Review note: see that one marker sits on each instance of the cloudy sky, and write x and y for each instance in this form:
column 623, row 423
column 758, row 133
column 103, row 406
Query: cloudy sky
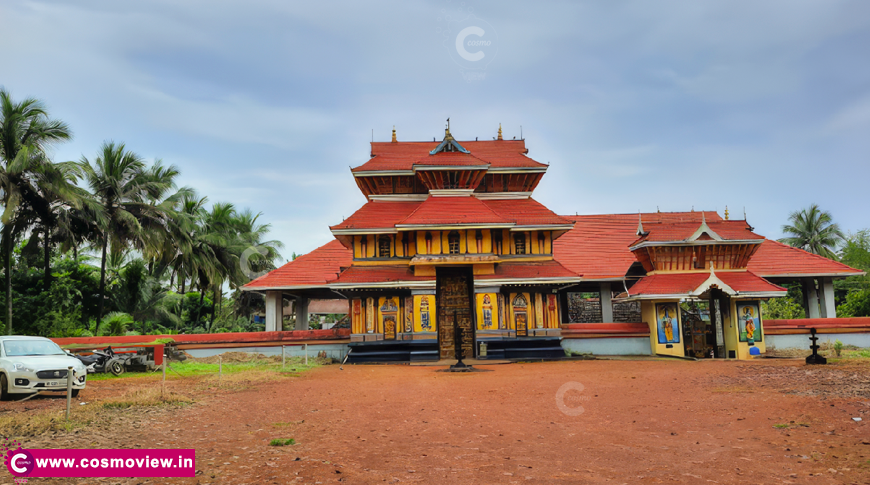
column 637, row 105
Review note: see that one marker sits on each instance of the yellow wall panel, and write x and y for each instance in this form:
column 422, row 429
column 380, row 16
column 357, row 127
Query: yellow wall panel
column 424, row 313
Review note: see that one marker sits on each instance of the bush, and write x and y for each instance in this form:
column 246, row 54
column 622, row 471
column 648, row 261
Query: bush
column 838, row 347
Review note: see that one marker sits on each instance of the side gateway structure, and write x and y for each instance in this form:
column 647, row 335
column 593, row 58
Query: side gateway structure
column 451, row 237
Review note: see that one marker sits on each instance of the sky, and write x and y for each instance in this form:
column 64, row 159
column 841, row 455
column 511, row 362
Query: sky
column 636, row 105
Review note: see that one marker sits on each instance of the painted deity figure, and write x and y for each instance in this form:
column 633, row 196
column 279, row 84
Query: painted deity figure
column 520, row 305
column 487, row 312
column 668, row 326
column 750, row 323
column 409, row 314
column 425, row 323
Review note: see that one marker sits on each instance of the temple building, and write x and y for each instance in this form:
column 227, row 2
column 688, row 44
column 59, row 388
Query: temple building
column 451, row 238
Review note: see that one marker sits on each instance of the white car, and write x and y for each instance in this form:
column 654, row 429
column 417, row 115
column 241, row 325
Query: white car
column 33, row 364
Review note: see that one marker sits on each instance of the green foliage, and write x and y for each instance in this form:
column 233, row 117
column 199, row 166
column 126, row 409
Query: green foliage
column 784, row 308
column 116, row 323
column 280, row 442
column 838, row 347
column 857, row 304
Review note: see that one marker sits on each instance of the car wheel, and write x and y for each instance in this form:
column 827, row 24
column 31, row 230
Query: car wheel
column 116, row 367
column 75, row 392
column 4, row 388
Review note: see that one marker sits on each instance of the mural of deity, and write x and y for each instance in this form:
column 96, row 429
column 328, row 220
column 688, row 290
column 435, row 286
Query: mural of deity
column 425, row 322
column 668, row 326
column 487, row 312
column 749, row 322
column 501, row 321
column 539, row 311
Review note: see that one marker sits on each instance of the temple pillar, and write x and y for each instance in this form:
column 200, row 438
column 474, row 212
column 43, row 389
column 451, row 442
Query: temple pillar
column 826, row 298
column 301, row 313
column 274, row 311
column 811, row 298
column 606, row 303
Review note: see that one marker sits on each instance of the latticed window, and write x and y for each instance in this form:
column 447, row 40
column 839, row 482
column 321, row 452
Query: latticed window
column 520, row 244
column 384, row 247
column 453, row 242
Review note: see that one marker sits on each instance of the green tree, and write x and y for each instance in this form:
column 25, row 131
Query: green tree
column 25, row 132
column 125, row 187
column 813, row 230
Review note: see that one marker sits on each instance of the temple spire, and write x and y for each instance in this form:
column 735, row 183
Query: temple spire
column 499, row 132
column 640, row 231
column 726, row 212
column 394, row 134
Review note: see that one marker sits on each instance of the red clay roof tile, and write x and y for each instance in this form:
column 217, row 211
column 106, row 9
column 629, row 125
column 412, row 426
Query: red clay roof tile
column 316, row 268
column 378, row 214
column 686, row 283
column 777, row 259
column 454, row 210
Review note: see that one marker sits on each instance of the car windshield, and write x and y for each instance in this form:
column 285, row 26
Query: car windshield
column 17, row 348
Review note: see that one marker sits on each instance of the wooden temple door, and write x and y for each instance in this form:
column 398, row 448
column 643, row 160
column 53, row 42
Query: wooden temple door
column 454, row 292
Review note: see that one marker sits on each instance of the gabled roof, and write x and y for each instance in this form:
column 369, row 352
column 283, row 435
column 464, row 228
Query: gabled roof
column 679, row 285
column 597, row 247
column 378, row 215
column 694, row 231
column 403, row 155
column 452, row 159
column 775, row 259
column 453, row 211
column 314, row 269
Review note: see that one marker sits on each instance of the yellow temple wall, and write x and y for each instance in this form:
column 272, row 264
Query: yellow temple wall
column 648, row 312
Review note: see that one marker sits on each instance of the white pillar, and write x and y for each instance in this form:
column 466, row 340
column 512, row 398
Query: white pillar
column 274, row 311
column 826, row 299
column 606, row 304
column 301, row 313
column 812, row 298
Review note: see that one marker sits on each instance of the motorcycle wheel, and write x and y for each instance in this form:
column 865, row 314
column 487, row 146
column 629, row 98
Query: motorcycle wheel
column 116, row 367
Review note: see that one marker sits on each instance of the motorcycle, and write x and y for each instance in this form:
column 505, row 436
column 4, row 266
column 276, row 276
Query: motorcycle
column 103, row 361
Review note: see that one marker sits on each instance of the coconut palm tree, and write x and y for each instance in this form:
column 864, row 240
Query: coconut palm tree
column 125, row 188
column 813, row 230
column 25, row 132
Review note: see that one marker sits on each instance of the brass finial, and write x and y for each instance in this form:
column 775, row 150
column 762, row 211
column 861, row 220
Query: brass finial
column 447, row 134
column 726, row 212
column 499, row 132
column 394, row 134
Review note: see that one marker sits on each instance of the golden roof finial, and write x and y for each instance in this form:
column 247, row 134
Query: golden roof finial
column 447, row 134
column 499, row 132
column 726, row 212
column 394, row 134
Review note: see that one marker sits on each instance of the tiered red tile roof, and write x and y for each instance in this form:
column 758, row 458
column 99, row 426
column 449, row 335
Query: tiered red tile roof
column 526, row 212
column 597, row 248
column 404, row 155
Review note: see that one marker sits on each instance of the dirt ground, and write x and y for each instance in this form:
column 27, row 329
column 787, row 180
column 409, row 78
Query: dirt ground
column 614, row 421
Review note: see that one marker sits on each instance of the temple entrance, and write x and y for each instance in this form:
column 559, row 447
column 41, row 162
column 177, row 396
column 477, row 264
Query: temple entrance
column 454, row 291
column 698, row 333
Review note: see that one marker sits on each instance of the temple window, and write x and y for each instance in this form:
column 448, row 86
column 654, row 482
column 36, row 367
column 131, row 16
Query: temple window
column 384, row 247
column 542, row 240
column 496, row 242
column 520, row 244
column 453, row 242
column 478, row 238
